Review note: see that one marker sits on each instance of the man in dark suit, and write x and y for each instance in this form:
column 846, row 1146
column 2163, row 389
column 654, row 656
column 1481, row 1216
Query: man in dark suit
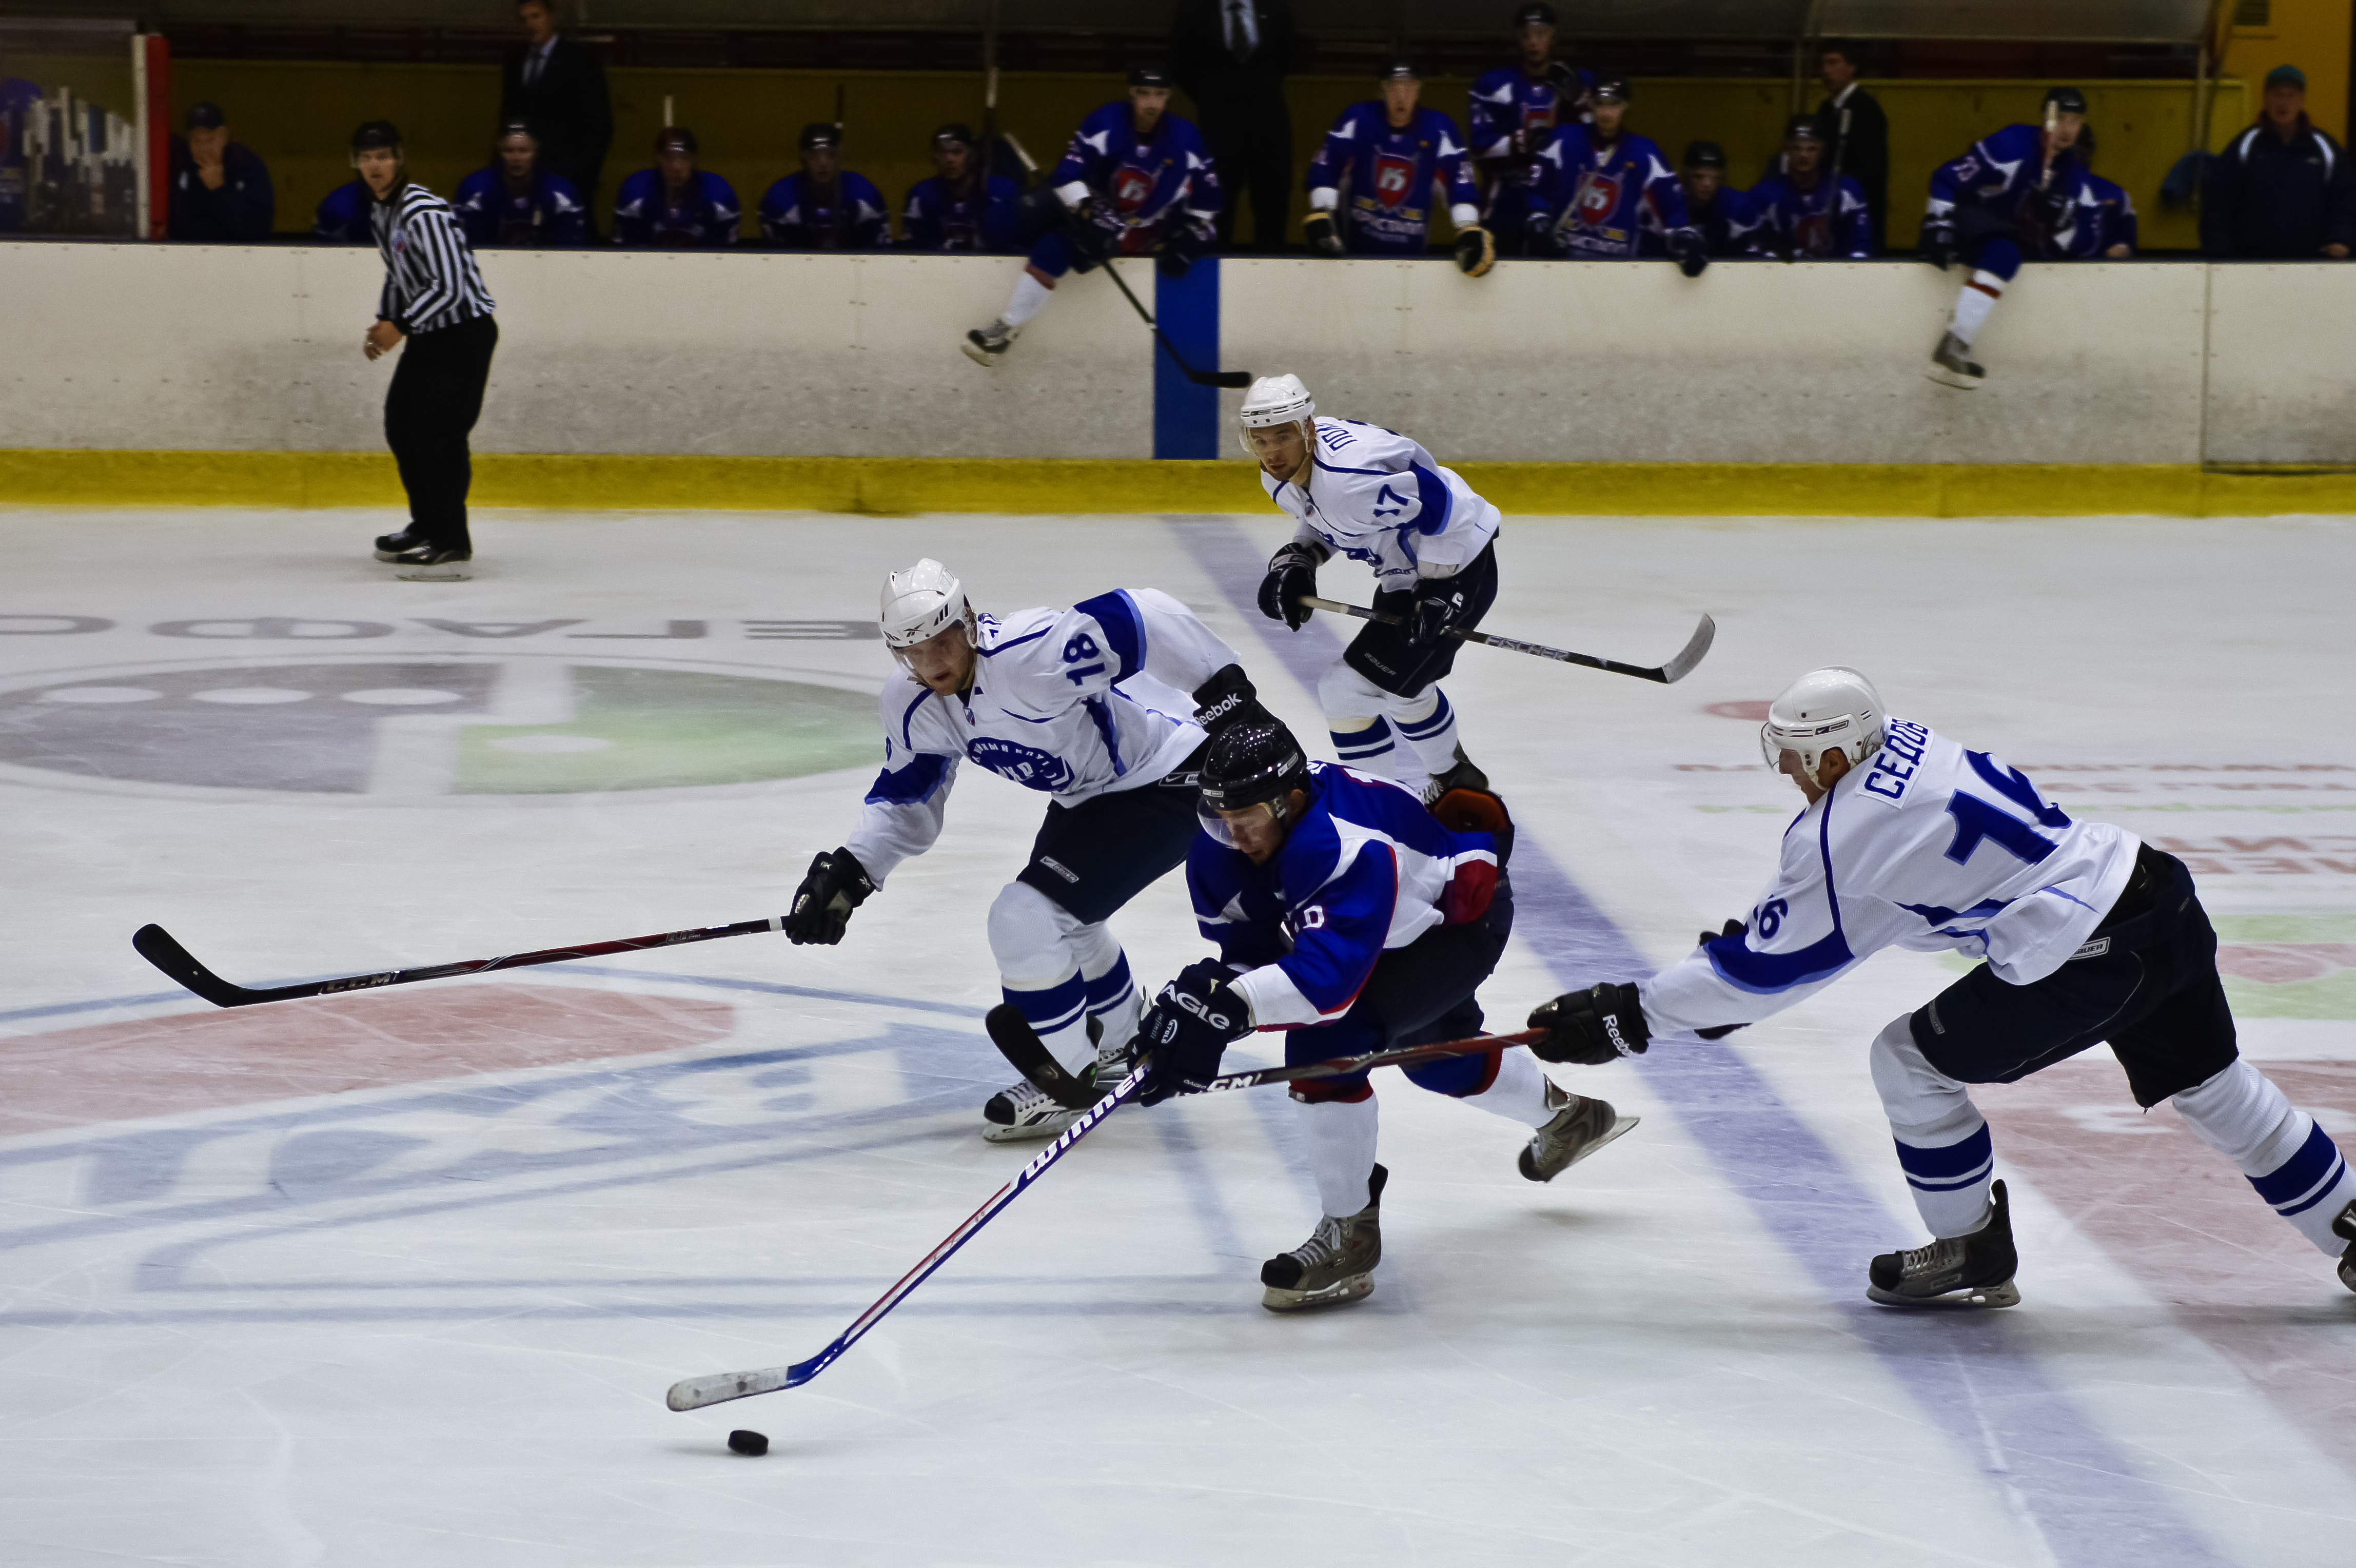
column 1231, row 57
column 1860, row 133
column 558, row 87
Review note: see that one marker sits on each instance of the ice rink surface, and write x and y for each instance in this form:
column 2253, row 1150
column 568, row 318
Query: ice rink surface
column 400, row 1278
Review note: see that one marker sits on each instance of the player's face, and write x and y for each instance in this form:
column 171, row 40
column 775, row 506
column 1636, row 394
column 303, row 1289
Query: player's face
column 1839, row 69
column 1257, row 830
column 820, row 163
column 2066, row 128
column 951, row 160
column 943, row 661
column 2285, row 104
column 1830, row 766
column 1702, row 184
column 677, row 165
column 1146, row 104
column 1608, row 116
column 1805, row 156
column 207, row 144
column 1282, row 449
column 1536, row 42
column 1399, row 95
column 538, row 22
column 379, row 167
column 517, row 155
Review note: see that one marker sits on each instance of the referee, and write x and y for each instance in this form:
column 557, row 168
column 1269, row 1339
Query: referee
column 434, row 295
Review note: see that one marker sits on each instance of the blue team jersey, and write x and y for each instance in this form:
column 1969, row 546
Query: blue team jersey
column 705, row 220
column 1779, row 219
column 1602, row 201
column 550, row 213
column 1720, row 220
column 1507, row 119
column 798, row 215
column 2104, row 216
column 1999, row 175
column 343, row 216
column 1145, row 182
column 1366, row 869
column 1387, row 175
column 939, row 218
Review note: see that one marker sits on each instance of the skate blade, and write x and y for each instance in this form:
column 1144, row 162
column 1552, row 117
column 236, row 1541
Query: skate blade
column 1619, row 1129
column 436, row 574
column 1955, row 378
column 2005, row 1294
column 999, row 1132
column 1341, row 1293
column 981, row 356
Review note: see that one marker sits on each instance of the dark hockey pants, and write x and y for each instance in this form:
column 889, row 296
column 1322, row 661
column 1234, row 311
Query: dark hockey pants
column 435, row 398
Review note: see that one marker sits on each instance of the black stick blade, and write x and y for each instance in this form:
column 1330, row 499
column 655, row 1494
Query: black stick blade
column 154, row 944
column 1220, row 377
column 1020, row 1044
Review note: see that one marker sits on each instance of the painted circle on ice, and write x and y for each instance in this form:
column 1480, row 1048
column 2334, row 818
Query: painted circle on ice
column 417, row 729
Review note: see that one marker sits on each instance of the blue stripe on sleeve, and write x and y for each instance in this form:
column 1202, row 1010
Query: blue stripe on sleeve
column 907, row 786
column 1438, row 501
column 1123, row 627
column 1765, row 974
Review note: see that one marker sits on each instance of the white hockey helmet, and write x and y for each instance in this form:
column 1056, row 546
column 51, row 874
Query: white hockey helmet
column 1274, row 399
column 922, row 602
column 1832, row 709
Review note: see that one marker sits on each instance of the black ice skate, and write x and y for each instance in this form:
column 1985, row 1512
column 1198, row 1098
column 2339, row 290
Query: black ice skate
column 1336, row 1264
column 1026, row 1111
column 424, row 563
column 2345, row 1225
column 1966, row 1271
column 986, row 345
column 1583, row 1126
column 1952, row 365
column 1462, row 774
column 389, row 546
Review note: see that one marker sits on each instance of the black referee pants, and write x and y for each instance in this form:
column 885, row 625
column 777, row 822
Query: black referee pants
column 436, row 396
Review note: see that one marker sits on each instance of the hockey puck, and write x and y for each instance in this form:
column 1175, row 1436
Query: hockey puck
column 743, row 1441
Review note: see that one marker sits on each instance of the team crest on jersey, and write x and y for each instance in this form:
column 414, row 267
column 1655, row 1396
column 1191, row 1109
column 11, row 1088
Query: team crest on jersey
column 1535, row 118
column 1599, row 198
column 1130, row 186
column 1026, row 764
column 1394, row 177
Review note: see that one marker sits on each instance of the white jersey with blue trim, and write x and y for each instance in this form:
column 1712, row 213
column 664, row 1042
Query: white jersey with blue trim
column 1074, row 703
column 1376, row 496
column 1924, row 845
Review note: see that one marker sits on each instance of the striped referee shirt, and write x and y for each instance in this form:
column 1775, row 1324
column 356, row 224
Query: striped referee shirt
column 430, row 277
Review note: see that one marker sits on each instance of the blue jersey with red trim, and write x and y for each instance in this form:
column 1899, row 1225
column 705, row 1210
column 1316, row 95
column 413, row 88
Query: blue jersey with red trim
column 2104, row 216
column 1999, row 175
column 1145, row 182
column 1825, row 220
column 1608, row 200
column 1386, row 177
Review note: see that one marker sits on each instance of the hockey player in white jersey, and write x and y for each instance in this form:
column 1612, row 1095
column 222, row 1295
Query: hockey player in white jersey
column 1376, row 496
column 2090, row 936
column 1089, row 707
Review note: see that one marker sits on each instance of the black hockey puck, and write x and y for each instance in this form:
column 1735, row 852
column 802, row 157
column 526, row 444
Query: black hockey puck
column 743, row 1441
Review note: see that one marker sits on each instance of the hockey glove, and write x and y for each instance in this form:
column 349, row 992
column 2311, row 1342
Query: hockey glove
column 1939, row 246
column 1094, row 235
column 1438, row 604
column 1227, row 699
column 1325, row 239
column 1180, row 251
column 1291, row 575
column 836, row 885
column 1476, row 252
column 1591, row 1027
column 1187, row 1030
column 2049, row 207
column 1691, row 254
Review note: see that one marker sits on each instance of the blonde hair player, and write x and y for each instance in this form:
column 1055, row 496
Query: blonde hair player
column 1376, row 496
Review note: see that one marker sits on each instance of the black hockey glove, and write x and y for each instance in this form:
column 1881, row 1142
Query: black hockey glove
column 1187, row 1030
column 836, row 885
column 1476, row 251
column 1591, row 1027
column 1939, row 246
column 1227, row 699
column 1094, row 235
column 1180, row 251
column 1325, row 239
column 1438, row 604
column 1292, row 572
column 1690, row 254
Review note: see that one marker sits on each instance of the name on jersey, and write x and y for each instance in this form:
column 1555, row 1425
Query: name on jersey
column 1895, row 764
column 1026, row 764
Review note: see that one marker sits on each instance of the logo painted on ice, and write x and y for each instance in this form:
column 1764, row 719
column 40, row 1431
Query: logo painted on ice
column 1026, row 764
column 1394, row 177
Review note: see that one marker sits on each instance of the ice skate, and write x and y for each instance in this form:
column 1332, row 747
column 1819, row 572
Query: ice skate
column 1953, row 366
column 1966, row 1271
column 1336, row 1264
column 2345, row 1225
column 986, row 345
column 1582, row 1127
column 1022, row 1110
column 389, row 546
column 424, row 562
column 1463, row 775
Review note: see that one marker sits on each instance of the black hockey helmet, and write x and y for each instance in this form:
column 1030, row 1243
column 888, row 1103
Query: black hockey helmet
column 1152, row 73
column 956, row 130
column 1805, row 128
column 1537, row 15
column 515, row 128
column 675, row 138
column 1256, row 762
column 1398, row 67
column 375, row 134
column 1611, row 88
column 821, row 133
column 1704, row 155
column 2065, row 101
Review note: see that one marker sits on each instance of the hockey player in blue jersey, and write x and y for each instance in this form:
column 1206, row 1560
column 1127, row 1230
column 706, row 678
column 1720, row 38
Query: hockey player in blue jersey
column 1604, row 193
column 2104, row 225
column 2000, row 203
column 342, row 218
column 1348, row 915
column 2089, row 936
column 675, row 206
column 823, row 206
column 1088, row 706
column 1510, row 113
column 1136, row 180
column 1388, row 156
column 1805, row 209
column 963, row 208
column 1713, row 207
column 1376, row 496
column 515, row 204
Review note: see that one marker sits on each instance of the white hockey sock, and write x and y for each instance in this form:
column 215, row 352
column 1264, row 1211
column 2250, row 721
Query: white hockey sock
column 1341, row 1138
column 1112, row 995
column 1943, row 1140
column 1427, row 723
column 1519, row 1093
column 1037, row 945
column 1025, row 303
column 2292, row 1162
column 1367, row 744
column 1972, row 302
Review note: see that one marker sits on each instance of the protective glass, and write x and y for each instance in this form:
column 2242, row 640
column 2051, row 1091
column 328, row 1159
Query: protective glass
column 1223, row 831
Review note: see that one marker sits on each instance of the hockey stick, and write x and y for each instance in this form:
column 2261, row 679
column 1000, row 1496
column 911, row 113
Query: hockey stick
column 1020, row 1044
column 157, row 946
column 694, row 1393
column 1676, row 669
column 1200, row 377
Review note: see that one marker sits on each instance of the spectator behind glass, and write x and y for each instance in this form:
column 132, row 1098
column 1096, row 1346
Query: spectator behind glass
column 1231, row 58
column 1802, row 210
column 558, row 88
column 961, row 208
column 517, row 205
column 825, row 207
column 1852, row 117
column 2283, row 191
column 343, row 216
column 221, row 189
column 1712, row 205
column 2105, row 230
column 674, row 206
